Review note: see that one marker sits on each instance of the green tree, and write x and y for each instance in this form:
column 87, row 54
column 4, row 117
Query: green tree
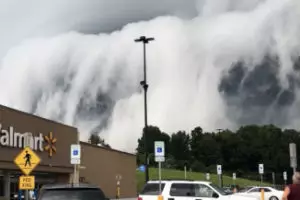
column 97, row 140
column 195, row 142
column 240, row 151
column 179, row 149
column 153, row 134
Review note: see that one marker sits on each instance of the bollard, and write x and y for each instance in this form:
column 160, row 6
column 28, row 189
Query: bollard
column 118, row 190
column 262, row 194
column 160, row 197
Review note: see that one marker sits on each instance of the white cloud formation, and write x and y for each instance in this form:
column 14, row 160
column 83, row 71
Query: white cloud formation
column 60, row 74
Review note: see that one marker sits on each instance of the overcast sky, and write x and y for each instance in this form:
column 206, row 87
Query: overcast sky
column 103, row 15
column 31, row 18
column 82, row 73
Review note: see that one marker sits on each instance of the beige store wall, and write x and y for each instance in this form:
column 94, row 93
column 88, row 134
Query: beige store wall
column 102, row 165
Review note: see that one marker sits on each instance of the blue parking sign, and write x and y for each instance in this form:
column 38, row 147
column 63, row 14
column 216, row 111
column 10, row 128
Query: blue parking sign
column 159, row 149
column 75, row 152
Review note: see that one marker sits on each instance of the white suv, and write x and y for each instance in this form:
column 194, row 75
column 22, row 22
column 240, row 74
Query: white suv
column 188, row 190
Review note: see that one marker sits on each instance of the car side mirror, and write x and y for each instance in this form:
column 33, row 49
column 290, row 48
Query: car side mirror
column 215, row 195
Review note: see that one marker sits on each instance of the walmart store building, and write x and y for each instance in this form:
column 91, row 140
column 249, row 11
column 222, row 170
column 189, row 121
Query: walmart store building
column 52, row 141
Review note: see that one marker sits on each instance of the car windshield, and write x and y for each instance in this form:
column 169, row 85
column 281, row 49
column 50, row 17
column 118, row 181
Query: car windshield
column 219, row 189
column 74, row 194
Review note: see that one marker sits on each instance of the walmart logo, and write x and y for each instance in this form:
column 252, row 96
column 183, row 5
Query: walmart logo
column 50, row 141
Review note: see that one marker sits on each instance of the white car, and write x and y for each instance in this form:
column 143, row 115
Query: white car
column 270, row 193
column 188, row 190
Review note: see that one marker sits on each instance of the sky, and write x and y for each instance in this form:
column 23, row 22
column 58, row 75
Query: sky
column 76, row 62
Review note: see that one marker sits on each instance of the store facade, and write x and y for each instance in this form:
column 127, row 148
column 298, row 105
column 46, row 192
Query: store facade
column 51, row 141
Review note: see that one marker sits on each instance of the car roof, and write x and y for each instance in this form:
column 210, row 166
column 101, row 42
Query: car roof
column 179, row 181
column 265, row 187
column 65, row 186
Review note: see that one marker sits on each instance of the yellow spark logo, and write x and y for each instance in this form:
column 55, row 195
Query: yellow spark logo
column 50, row 147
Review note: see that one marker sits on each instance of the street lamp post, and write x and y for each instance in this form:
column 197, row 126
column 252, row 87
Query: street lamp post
column 144, row 84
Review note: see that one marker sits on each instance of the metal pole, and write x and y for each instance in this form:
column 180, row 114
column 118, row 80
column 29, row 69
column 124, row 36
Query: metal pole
column 261, row 179
column 27, row 144
column 74, row 175
column 220, row 181
column 185, row 172
column 159, row 175
column 145, row 86
column 76, row 167
column 273, row 178
column 26, row 195
column 285, row 177
column 233, row 179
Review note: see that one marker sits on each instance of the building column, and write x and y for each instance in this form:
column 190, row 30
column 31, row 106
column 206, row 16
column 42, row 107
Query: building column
column 6, row 180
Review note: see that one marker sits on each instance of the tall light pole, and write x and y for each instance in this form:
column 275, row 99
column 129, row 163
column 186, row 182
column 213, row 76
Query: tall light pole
column 144, row 84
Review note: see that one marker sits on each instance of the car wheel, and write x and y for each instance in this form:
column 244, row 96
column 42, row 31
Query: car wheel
column 273, row 198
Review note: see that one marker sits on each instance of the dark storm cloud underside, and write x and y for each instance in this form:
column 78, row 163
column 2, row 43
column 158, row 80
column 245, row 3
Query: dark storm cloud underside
column 258, row 93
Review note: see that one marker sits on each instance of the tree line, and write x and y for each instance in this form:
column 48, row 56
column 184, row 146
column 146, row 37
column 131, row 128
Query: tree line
column 237, row 151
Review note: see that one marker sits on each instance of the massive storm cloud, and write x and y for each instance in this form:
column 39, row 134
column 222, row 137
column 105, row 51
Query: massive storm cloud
column 213, row 64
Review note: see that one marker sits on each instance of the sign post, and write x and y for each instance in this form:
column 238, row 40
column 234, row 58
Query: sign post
column 207, row 176
column 285, row 177
column 27, row 160
column 75, row 160
column 293, row 156
column 185, row 171
column 234, row 178
column 159, row 147
column 261, row 172
column 219, row 172
column 274, row 179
